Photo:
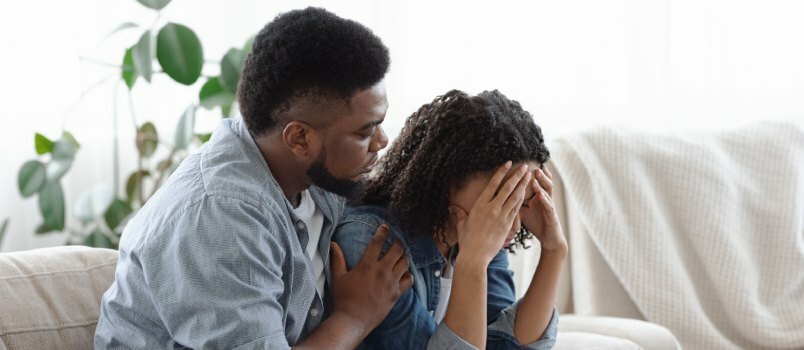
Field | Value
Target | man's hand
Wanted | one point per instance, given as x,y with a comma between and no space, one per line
539,215
368,292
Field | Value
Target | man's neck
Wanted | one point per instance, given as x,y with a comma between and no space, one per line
281,163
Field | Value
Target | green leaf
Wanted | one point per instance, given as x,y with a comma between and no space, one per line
226,109
134,185
121,27
56,168
43,228
231,64
62,161
3,228
98,240
93,203
154,4
147,139
142,56
248,46
203,137
43,144
117,212
31,178
64,149
66,136
179,52
185,129
51,203
128,71
212,94
164,164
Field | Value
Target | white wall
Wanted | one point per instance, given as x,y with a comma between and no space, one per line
573,64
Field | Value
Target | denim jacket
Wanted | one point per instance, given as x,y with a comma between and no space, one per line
410,323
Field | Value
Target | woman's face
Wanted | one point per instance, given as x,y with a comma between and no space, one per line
465,195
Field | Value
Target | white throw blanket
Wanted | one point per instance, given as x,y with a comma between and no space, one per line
704,230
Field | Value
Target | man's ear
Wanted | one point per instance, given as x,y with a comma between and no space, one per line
300,138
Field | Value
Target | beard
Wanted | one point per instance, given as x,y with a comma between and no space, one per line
324,179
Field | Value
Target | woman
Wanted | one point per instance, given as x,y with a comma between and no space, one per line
464,180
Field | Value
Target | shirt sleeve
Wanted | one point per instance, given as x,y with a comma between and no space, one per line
502,310
215,276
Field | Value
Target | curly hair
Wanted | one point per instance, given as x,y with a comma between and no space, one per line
302,52
441,145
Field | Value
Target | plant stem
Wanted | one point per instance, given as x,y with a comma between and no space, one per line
162,174
100,63
115,143
81,97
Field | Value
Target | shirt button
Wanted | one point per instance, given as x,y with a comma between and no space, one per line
314,312
437,273
300,225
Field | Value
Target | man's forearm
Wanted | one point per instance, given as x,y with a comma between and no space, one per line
339,331
536,307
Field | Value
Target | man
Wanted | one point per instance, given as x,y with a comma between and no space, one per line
233,251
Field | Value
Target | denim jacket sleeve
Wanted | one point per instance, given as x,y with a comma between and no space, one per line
410,326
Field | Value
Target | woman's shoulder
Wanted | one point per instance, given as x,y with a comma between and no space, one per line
357,228
373,215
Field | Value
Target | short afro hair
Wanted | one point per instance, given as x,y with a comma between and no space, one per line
302,52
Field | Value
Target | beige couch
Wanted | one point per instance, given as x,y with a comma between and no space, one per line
49,299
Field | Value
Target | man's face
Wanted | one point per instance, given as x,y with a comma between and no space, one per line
350,144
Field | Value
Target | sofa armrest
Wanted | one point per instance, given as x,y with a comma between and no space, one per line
50,297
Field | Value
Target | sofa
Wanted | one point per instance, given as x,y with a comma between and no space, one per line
50,299
700,232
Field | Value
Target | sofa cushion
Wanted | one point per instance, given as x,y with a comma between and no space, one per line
52,296
591,341
644,335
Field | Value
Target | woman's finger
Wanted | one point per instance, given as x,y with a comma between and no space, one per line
494,183
548,209
544,181
509,187
514,201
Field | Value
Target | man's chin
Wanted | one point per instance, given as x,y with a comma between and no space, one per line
351,189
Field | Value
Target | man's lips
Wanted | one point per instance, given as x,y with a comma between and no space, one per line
370,166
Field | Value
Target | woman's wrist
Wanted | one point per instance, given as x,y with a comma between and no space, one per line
558,250
470,263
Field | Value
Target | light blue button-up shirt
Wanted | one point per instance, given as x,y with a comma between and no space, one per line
216,258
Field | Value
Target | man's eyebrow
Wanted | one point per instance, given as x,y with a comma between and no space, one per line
372,124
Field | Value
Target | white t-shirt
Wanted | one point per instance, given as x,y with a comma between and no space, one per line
443,296
312,216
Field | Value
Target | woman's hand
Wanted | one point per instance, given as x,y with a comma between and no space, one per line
539,215
482,231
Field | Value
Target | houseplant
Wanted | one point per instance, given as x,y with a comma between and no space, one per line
101,211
